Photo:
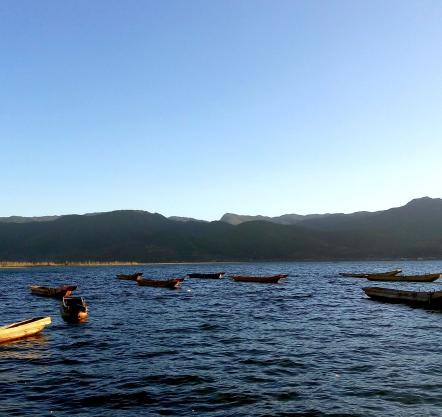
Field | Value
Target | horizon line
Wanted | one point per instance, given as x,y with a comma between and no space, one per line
212,220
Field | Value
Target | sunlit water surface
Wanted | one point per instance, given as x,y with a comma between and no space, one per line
313,345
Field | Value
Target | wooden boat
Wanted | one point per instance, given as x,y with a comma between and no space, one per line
405,278
23,328
429,299
213,275
269,279
58,292
352,275
131,277
74,309
164,283
366,275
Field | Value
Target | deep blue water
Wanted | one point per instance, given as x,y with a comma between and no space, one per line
313,345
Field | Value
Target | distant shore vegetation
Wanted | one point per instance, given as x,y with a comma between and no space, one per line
24,264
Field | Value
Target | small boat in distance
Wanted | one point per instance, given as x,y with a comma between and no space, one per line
58,292
131,277
366,275
212,275
405,278
353,275
23,328
427,299
74,309
171,283
268,279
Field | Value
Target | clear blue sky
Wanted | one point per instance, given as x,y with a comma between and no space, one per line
197,108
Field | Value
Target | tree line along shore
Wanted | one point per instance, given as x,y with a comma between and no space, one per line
24,264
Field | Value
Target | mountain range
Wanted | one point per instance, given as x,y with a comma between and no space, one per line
410,231
236,219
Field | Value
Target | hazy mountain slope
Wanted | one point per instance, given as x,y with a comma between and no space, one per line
236,219
414,230
20,219
185,219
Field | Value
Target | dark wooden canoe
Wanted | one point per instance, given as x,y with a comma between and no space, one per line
74,309
269,279
429,299
58,292
131,277
405,278
212,275
366,275
163,283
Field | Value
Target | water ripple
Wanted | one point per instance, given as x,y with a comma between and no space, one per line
313,346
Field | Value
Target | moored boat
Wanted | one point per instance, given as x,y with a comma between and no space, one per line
353,275
74,309
171,283
429,299
405,278
269,279
23,328
366,275
212,275
130,277
57,292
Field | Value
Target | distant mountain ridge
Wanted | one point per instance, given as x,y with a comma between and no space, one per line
286,219
324,219
185,219
236,219
411,231
21,219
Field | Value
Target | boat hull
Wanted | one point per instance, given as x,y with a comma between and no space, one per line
77,317
22,329
367,275
405,278
74,309
58,292
427,299
172,283
131,277
216,275
352,275
272,279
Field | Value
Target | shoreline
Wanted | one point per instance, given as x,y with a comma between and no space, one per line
20,265
12,265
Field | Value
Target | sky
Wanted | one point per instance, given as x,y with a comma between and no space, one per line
197,108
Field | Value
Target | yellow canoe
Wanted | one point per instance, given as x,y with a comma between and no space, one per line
23,328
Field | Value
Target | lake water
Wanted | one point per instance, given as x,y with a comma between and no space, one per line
313,345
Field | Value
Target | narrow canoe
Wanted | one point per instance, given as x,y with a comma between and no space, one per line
23,328
430,299
74,309
405,278
131,277
163,283
269,279
214,275
352,275
57,292
366,275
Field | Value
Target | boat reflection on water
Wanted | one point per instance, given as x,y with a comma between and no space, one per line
31,348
